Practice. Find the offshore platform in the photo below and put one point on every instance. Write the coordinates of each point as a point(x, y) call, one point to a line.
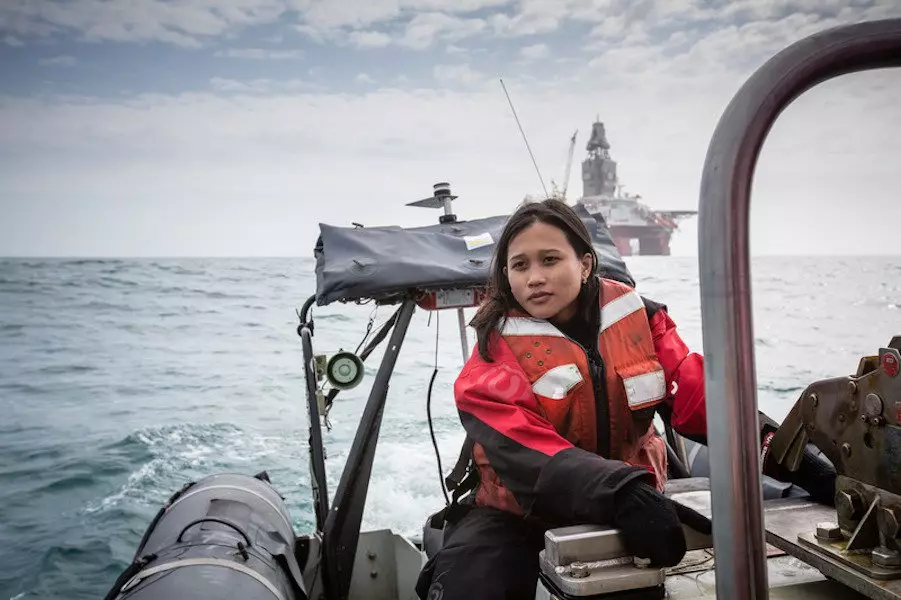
point(636, 228)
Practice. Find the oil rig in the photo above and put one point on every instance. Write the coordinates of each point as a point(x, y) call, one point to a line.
point(636, 228)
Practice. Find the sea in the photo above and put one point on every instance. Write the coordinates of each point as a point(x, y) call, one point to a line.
point(120, 380)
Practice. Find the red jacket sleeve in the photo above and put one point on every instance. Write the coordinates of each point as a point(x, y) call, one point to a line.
point(549, 477)
point(684, 377)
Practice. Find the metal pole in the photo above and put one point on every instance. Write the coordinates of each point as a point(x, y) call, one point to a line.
point(317, 457)
point(464, 341)
point(731, 385)
point(318, 481)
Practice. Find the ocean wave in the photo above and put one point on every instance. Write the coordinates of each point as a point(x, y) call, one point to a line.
point(65, 369)
point(92, 261)
point(201, 292)
point(175, 269)
point(177, 453)
point(103, 305)
point(116, 282)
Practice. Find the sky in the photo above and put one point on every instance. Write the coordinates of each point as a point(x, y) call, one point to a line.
point(236, 127)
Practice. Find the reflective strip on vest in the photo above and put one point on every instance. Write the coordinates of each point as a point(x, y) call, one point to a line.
point(645, 388)
point(557, 382)
point(527, 326)
point(619, 309)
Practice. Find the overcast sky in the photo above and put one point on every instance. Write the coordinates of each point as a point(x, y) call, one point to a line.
point(234, 127)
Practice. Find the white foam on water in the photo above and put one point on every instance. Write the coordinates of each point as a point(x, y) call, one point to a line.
point(405, 487)
point(185, 452)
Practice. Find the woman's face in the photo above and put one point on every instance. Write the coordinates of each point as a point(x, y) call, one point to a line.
point(544, 272)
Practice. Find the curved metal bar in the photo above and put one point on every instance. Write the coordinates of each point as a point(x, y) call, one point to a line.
point(733, 436)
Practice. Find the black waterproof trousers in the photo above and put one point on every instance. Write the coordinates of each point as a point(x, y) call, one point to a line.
point(487, 554)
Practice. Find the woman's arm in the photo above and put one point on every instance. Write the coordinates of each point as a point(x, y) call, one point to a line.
point(684, 371)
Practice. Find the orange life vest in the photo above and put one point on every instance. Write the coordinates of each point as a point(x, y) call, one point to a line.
point(558, 371)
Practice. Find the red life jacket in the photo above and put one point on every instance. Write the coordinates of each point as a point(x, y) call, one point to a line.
point(558, 371)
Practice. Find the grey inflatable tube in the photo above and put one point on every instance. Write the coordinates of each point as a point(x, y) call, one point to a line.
point(226, 536)
point(699, 466)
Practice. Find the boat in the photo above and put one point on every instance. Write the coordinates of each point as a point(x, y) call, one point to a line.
point(636, 228)
point(230, 536)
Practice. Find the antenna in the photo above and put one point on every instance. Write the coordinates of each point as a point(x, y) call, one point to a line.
point(525, 139)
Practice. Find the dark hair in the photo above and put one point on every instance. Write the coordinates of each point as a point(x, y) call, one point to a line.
point(500, 299)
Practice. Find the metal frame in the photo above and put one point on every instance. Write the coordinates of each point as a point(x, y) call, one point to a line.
point(733, 433)
point(340, 524)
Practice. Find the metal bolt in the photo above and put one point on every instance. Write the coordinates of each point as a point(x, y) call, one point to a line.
point(873, 405)
point(852, 387)
point(370, 555)
point(813, 400)
point(886, 557)
point(878, 421)
point(846, 449)
point(579, 570)
point(373, 573)
point(864, 419)
point(848, 504)
point(889, 520)
point(829, 532)
point(841, 417)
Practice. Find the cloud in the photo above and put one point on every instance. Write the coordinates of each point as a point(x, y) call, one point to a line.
point(369, 39)
point(262, 85)
point(418, 32)
point(534, 52)
point(260, 54)
point(11, 40)
point(303, 157)
point(183, 24)
point(186, 163)
point(425, 29)
point(461, 74)
point(524, 24)
point(58, 61)
point(192, 23)
point(329, 16)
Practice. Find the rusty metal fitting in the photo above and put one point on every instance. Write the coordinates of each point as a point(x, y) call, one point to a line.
point(849, 504)
point(579, 570)
point(829, 532)
point(889, 519)
point(885, 557)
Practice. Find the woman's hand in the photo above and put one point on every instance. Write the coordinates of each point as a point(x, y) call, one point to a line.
point(651, 523)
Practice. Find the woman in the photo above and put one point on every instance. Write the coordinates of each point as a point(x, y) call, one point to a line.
point(558, 400)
